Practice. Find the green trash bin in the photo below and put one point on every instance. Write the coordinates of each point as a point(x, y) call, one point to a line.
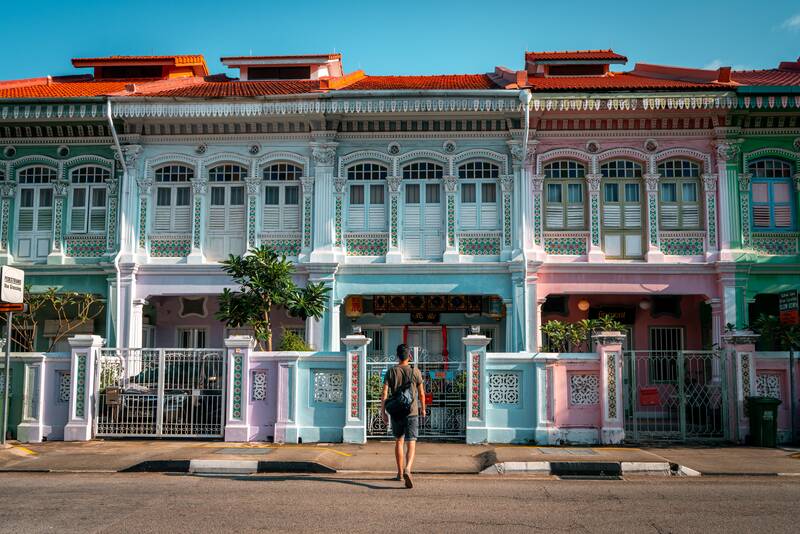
point(763, 413)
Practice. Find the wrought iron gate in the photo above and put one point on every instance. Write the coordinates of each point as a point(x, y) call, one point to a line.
point(675, 395)
point(445, 386)
point(160, 392)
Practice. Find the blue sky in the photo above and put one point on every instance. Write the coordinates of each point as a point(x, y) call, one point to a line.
point(400, 37)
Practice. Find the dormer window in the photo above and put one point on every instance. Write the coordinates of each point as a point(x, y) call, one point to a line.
point(279, 73)
point(300, 67)
point(572, 63)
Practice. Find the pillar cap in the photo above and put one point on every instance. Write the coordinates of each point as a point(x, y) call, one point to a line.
point(740, 337)
point(356, 340)
point(82, 341)
point(609, 337)
point(476, 340)
point(240, 342)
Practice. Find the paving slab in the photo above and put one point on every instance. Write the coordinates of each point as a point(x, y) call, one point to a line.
point(734, 460)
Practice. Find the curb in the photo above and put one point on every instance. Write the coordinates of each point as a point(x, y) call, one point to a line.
point(226, 467)
point(581, 469)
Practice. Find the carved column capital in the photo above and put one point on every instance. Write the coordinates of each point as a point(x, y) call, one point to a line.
point(8, 189)
point(307, 183)
point(145, 186)
point(339, 184)
point(519, 155)
point(709, 182)
point(324, 154)
point(199, 187)
point(450, 184)
point(744, 182)
point(537, 182)
point(727, 150)
point(112, 184)
point(593, 182)
point(394, 183)
point(507, 183)
point(253, 185)
point(651, 181)
point(130, 154)
point(60, 188)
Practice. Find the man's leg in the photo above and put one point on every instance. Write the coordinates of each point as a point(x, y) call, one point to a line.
point(398, 455)
point(412, 446)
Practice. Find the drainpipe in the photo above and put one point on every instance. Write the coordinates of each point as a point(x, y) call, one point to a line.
point(122, 223)
point(525, 98)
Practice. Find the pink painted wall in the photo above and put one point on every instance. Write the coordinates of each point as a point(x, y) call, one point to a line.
point(689, 319)
point(657, 282)
point(779, 367)
point(168, 320)
point(566, 415)
point(262, 414)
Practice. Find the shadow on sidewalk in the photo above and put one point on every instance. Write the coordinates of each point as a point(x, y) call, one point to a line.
point(301, 478)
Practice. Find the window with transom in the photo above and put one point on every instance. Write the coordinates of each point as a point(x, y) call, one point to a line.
point(478, 201)
point(622, 209)
point(563, 195)
point(35, 212)
point(173, 211)
point(226, 211)
point(679, 195)
point(89, 202)
point(227, 173)
point(772, 205)
point(366, 197)
point(282, 197)
point(423, 170)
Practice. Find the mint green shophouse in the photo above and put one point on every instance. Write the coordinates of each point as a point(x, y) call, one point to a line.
point(59, 199)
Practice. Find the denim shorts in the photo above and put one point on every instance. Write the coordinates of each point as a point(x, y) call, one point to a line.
point(408, 428)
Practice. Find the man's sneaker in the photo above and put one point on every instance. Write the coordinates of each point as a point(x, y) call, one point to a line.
point(407, 478)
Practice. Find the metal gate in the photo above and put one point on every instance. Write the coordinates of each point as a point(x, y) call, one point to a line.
point(676, 396)
point(445, 387)
point(160, 392)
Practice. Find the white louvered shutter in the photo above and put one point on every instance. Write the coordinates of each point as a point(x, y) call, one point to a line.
point(44, 213)
point(575, 216)
point(97, 210)
point(691, 215)
point(377, 217)
point(291, 218)
point(412, 230)
point(26, 210)
point(761, 216)
point(612, 215)
point(183, 219)
point(669, 215)
point(469, 216)
point(633, 216)
point(554, 216)
point(489, 218)
point(782, 208)
point(77, 216)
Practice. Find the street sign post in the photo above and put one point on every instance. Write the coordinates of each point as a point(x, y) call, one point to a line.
point(12, 290)
point(787, 307)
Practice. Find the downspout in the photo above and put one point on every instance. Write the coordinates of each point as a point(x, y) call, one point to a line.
point(525, 98)
point(122, 224)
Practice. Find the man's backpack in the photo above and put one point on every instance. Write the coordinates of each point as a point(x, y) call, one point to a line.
point(399, 404)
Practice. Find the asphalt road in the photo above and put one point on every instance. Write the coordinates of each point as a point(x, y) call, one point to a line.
point(35, 502)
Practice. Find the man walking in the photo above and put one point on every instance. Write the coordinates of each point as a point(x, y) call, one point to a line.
point(405, 428)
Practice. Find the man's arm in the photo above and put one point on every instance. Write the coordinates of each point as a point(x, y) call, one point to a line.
point(384, 396)
point(421, 390)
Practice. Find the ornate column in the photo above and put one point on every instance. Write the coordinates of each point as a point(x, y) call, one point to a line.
point(716, 336)
point(145, 194)
point(112, 191)
point(237, 424)
point(60, 191)
point(727, 152)
point(475, 346)
point(339, 183)
point(609, 347)
point(743, 345)
point(507, 189)
point(31, 427)
point(710, 190)
point(137, 322)
point(253, 184)
point(395, 255)
point(537, 231)
point(130, 204)
point(307, 183)
point(522, 161)
point(515, 341)
point(596, 253)
point(451, 242)
point(199, 213)
point(355, 427)
point(85, 350)
point(7, 191)
point(654, 254)
point(324, 155)
point(744, 207)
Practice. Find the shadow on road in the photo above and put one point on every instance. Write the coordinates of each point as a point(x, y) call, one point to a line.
point(302, 478)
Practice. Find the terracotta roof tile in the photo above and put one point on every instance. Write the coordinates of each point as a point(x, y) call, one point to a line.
point(64, 90)
point(767, 77)
point(181, 59)
point(440, 82)
point(575, 55)
point(613, 81)
point(220, 89)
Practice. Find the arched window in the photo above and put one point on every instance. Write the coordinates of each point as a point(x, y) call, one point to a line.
point(282, 197)
point(173, 211)
point(423, 214)
point(35, 212)
point(478, 183)
point(88, 205)
point(771, 195)
point(679, 195)
point(366, 197)
point(563, 184)
point(226, 211)
point(622, 209)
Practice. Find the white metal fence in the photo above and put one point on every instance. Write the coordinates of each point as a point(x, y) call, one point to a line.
point(160, 392)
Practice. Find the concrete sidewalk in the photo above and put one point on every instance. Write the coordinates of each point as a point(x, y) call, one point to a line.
point(377, 457)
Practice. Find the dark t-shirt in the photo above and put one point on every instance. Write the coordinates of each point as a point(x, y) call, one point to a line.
point(400, 374)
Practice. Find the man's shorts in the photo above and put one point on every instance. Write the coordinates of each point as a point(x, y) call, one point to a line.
point(407, 427)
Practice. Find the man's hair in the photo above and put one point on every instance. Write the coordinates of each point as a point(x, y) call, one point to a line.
point(403, 352)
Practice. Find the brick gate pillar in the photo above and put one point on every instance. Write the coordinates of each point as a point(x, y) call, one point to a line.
point(475, 345)
point(609, 347)
point(355, 420)
point(742, 343)
point(237, 416)
point(85, 350)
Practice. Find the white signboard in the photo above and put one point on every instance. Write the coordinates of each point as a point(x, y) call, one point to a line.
point(13, 285)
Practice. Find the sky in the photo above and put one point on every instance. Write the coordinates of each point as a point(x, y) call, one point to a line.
point(40, 37)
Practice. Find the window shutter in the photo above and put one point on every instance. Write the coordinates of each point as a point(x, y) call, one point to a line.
point(44, 219)
point(25, 220)
point(412, 216)
point(271, 218)
point(97, 210)
point(783, 216)
point(433, 216)
point(216, 218)
point(761, 217)
point(183, 219)
point(691, 215)
point(575, 216)
point(633, 216)
point(291, 218)
point(377, 217)
point(355, 217)
point(669, 215)
point(469, 215)
point(554, 216)
point(236, 218)
point(163, 219)
point(489, 216)
point(612, 216)
point(77, 219)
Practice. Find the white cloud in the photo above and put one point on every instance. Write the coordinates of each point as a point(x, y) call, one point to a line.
point(792, 23)
point(714, 64)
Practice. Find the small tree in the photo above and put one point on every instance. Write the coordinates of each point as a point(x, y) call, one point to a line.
point(775, 335)
point(566, 337)
point(70, 308)
point(265, 280)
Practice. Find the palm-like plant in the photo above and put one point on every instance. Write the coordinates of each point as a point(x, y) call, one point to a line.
point(265, 280)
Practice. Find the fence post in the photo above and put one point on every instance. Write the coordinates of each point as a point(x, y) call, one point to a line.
point(743, 344)
point(475, 346)
point(545, 433)
point(237, 421)
point(609, 347)
point(85, 350)
point(355, 427)
point(286, 424)
point(31, 428)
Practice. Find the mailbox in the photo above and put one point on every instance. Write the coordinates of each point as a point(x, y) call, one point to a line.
point(113, 396)
point(649, 396)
